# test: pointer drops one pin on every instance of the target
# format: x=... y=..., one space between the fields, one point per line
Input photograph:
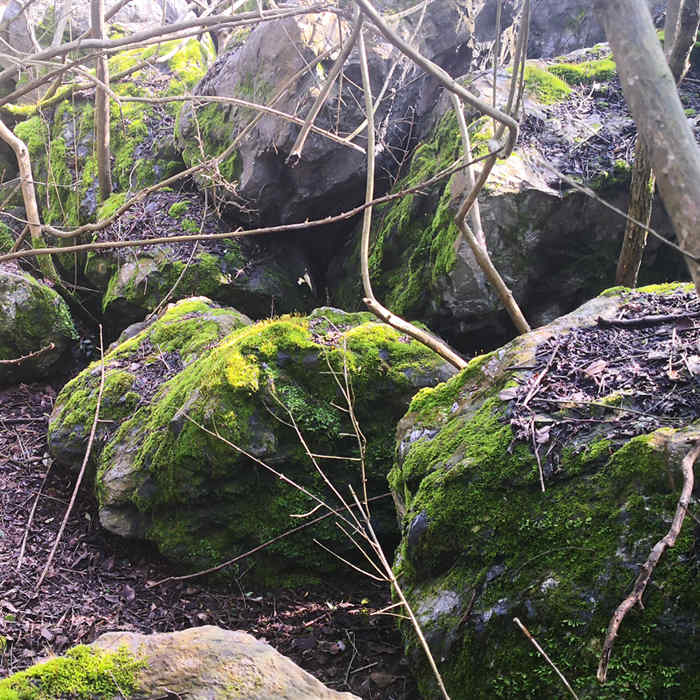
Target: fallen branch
x=31 y=355
x=83 y=467
x=669 y=540
x=646 y=320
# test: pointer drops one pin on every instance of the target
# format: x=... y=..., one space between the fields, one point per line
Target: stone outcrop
x=260 y=276
x=553 y=245
x=203 y=499
x=35 y=323
x=483 y=544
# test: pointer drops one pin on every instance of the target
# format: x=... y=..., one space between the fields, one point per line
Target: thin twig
x=31 y=355
x=669 y=540
x=83 y=467
x=526 y=632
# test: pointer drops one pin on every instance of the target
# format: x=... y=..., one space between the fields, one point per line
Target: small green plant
x=178 y=209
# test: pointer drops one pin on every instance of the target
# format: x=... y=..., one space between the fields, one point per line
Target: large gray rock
x=553 y=245
x=560 y=26
x=202 y=499
x=329 y=177
x=202 y=663
x=483 y=544
x=35 y=323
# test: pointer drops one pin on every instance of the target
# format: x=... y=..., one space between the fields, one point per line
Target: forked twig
x=669 y=540
x=31 y=355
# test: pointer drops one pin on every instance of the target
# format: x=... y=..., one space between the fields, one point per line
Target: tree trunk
x=679 y=38
x=641 y=198
x=104 y=167
x=29 y=197
x=650 y=91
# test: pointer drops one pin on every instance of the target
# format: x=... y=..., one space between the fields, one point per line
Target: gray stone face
x=560 y=26
x=33 y=319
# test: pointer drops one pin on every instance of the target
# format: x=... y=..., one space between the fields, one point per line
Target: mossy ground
x=82 y=673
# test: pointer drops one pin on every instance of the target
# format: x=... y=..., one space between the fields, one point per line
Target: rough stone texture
x=481 y=543
x=202 y=663
x=32 y=317
x=329 y=177
x=560 y=26
x=261 y=276
x=202 y=501
x=554 y=247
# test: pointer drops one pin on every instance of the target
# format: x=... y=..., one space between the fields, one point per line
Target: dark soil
x=98 y=582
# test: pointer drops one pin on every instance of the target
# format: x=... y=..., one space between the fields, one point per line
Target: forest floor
x=99 y=583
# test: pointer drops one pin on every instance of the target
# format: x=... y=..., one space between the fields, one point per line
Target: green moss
x=663 y=288
x=585 y=73
x=548 y=88
x=110 y=205
x=7 y=238
x=216 y=132
x=427 y=233
x=429 y=402
x=82 y=673
x=178 y=209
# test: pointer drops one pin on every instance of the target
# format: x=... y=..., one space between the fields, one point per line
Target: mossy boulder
x=260 y=276
x=60 y=136
x=145 y=356
x=35 y=323
x=554 y=246
x=163 y=474
x=197 y=663
x=209 y=662
x=483 y=544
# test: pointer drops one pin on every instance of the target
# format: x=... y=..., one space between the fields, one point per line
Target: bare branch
x=669 y=540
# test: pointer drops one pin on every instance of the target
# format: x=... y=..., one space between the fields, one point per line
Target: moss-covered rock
x=482 y=544
x=204 y=499
x=35 y=323
x=259 y=276
x=145 y=357
x=554 y=247
x=61 y=140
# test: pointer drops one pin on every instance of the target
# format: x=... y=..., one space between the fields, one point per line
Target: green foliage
x=83 y=673
x=585 y=73
x=178 y=209
x=548 y=88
